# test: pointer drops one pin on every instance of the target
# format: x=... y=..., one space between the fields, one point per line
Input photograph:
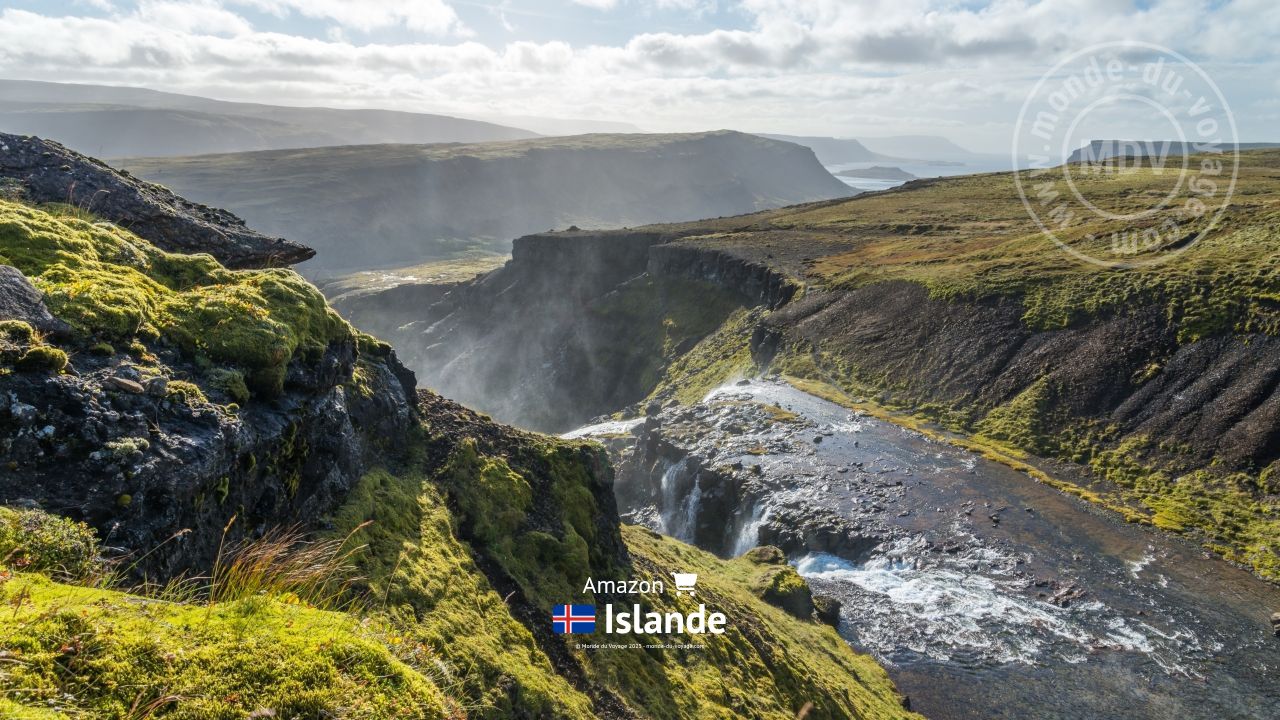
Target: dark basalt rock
x=44 y=171
x=78 y=445
x=20 y=300
x=827 y=609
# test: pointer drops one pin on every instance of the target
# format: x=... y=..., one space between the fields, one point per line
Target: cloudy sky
x=831 y=67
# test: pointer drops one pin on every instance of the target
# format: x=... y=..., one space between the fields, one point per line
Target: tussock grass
x=285 y=563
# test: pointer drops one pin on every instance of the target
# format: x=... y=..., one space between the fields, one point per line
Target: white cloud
x=427 y=16
x=804 y=66
x=192 y=16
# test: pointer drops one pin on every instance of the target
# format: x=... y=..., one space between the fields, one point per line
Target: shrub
x=36 y=541
x=42 y=358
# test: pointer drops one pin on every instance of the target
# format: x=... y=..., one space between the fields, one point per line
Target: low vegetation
x=116 y=289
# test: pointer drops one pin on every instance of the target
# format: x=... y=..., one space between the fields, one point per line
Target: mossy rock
x=783 y=587
x=765 y=555
x=230 y=382
x=112 y=286
x=42 y=358
x=186 y=392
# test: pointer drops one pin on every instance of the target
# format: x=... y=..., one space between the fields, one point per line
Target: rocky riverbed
x=986 y=594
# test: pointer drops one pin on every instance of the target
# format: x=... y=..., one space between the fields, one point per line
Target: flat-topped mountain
x=878 y=172
x=107 y=121
x=374 y=206
x=830 y=150
x=1099 y=150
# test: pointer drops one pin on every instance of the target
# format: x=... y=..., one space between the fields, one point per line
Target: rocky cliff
x=379 y=206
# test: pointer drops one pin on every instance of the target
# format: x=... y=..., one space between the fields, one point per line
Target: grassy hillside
x=428 y=637
x=371 y=207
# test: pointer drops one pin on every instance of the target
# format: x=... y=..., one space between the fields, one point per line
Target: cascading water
x=748 y=535
x=670 y=493
x=988 y=595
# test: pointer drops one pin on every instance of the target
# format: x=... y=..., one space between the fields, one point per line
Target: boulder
x=20 y=300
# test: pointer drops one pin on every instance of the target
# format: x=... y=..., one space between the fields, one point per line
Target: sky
x=843 y=68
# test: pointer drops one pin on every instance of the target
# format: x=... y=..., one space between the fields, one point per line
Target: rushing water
x=994 y=596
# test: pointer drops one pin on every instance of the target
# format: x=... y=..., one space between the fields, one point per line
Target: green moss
x=494 y=503
x=716 y=359
x=36 y=541
x=370 y=345
x=230 y=382
x=98 y=653
x=42 y=358
x=110 y=285
x=18 y=331
x=102 y=349
x=440 y=602
x=1023 y=421
x=185 y=392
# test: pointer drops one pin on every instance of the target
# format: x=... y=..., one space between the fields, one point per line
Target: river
x=985 y=594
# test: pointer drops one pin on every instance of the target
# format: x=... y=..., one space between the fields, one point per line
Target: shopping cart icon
x=685 y=582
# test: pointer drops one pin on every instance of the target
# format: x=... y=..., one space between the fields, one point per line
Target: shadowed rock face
x=44 y=171
x=20 y=300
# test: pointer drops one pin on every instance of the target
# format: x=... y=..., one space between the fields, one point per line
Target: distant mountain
x=832 y=151
x=917 y=147
x=110 y=121
x=1105 y=149
x=380 y=206
x=562 y=126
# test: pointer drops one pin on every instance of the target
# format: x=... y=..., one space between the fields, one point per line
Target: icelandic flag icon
x=566 y=619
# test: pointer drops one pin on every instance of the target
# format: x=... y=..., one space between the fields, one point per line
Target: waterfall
x=748 y=535
x=670 y=494
x=691 y=502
